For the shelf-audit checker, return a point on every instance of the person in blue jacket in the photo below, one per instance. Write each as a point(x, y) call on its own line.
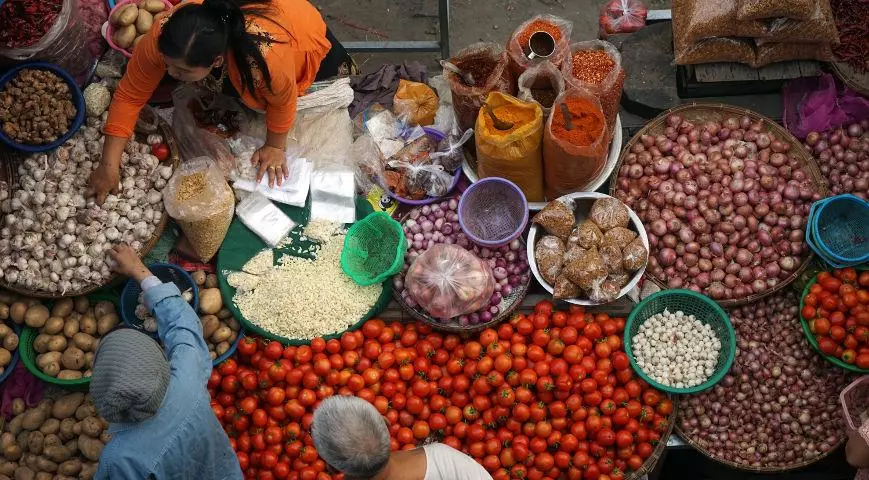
point(154, 397)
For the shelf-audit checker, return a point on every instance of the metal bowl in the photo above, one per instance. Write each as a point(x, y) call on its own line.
point(582, 202)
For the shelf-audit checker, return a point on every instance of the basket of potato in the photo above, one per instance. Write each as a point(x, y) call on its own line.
point(221, 330)
point(59, 343)
point(56, 438)
point(130, 20)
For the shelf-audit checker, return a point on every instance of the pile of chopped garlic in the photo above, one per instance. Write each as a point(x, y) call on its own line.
point(304, 299)
point(320, 231)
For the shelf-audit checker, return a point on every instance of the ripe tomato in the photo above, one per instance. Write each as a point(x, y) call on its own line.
point(820, 326)
point(827, 345)
point(273, 350)
point(837, 333)
point(849, 356)
point(624, 438)
point(160, 150)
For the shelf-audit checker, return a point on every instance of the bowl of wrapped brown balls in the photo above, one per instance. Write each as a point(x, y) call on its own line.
point(41, 107)
point(587, 248)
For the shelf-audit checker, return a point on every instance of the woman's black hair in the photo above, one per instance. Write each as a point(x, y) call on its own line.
point(199, 33)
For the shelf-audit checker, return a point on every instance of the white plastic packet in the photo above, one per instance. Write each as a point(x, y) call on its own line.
point(294, 190)
point(333, 195)
point(260, 215)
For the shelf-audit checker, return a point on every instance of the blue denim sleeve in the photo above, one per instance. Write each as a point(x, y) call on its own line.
point(181, 333)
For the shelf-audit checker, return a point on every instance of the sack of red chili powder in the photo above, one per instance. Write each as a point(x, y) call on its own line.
point(574, 143)
point(621, 16)
point(519, 45)
point(596, 66)
point(542, 84)
point(487, 65)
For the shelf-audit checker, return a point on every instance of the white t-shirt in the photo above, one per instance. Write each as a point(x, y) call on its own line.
point(446, 463)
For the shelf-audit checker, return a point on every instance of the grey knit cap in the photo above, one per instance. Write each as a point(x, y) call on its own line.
point(130, 376)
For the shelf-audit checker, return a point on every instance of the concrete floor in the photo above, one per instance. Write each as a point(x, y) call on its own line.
point(471, 21)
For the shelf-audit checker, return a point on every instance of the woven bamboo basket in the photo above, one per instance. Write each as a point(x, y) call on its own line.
point(857, 81)
point(7, 171)
point(803, 463)
point(652, 461)
point(704, 112)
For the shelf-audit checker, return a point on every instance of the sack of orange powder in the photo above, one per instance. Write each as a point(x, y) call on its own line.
point(574, 143)
point(513, 153)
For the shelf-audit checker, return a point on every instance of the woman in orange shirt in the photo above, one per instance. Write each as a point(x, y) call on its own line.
point(264, 52)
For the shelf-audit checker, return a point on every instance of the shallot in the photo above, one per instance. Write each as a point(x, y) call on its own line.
point(843, 157)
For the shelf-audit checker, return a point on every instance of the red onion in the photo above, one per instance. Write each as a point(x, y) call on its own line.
point(842, 157)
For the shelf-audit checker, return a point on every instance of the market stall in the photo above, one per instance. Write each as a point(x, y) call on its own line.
point(495, 257)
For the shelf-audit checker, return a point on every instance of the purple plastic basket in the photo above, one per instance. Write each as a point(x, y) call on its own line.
point(493, 212)
point(437, 135)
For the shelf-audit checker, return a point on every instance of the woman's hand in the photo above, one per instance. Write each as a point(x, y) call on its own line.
point(272, 160)
point(128, 262)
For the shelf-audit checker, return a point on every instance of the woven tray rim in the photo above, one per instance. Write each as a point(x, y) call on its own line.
point(797, 149)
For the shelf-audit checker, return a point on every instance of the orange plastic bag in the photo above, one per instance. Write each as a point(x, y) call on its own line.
point(573, 158)
point(487, 64)
point(417, 101)
point(514, 154)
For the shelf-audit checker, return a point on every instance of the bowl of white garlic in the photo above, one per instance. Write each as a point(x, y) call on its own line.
point(680, 341)
point(133, 310)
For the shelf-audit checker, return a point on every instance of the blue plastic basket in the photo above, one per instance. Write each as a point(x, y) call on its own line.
point(166, 272)
point(838, 230)
point(77, 100)
point(232, 347)
point(14, 362)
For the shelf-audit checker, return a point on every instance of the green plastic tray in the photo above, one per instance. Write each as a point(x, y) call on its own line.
point(811, 336)
point(28, 354)
point(691, 303)
point(241, 244)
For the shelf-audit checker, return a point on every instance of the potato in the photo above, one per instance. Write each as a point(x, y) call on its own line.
point(17, 311)
point(210, 301)
point(70, 327)
point(10, 342)
point(12, 452)
point(4, 311)
point(123, 37)
point(103, 308)
point(43, 464)
point(52, 440)
point(199, 277)
point(144, 20)
point(92, 427)
point(47, 358)
point(211, 281)
point(51, 426)
point(57, 343)
point(14, 425)
point(34, 442)
point(86, 410)
point(88, 470)
point(53, 326)
point(5, 357)
point(152, 6)
point(4, 330)
point(221, 348)
point(36, 316)
point(18, 406)
point(81, 304)
point(233, 324)
point(57, 453)
point(7, 468)
point(69, 467)
point(34, 417)
point(40, 343)
point(65, 406)
point(88, 325)
point(222, 334)
point(73, 358)
point(62, 308)
point(124, 16)
point(107, 322)
point(210, 324)
point(6, 439)
point(45, 476)
point(223, 314)
point(24, 473)
point(69, 375)
point(66, 429)
point(89, 360)
point(90, 447)
point(85, 342)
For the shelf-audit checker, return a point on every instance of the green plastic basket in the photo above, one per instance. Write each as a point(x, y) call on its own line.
point(811, 336)
point(690, 303)
point(28, 354)
point(374, 249)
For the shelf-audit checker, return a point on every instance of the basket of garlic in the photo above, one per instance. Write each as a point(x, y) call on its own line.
point(53, 239)
point(133, 310)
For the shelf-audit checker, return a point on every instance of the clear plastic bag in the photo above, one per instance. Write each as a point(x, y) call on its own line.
point(783, 52)
point(333, 194)
point(425, 177)
point(452, 156)
point(573, 158)
point(195, 141)
point(819, 28)
point(65, 44)
point(541, 83)
point(415, 101)
point(323, 131)
point(445, 119)
point(199, 199)
point(622, 16)
point(609, 90)
point(448, 281)
point(518, 46)
point(761, 9)
point(487, 63)
point(260, 215)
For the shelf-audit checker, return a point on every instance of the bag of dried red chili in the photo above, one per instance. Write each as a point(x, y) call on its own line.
point(50, 31)
point(574, 143)
point(542, 84)
point(596, 66)
point(519, 46)
point(486, 64)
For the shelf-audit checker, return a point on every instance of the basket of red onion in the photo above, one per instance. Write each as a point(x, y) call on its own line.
point(724, 194)
point(451, 283)
point(843, 157)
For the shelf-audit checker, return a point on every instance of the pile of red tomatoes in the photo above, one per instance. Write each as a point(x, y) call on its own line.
point(837, 311)
point(546, 395)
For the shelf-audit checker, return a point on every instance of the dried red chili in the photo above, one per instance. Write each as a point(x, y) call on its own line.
point(853, 29)
point(538, 26)
point(25, 22)
point(592, 66)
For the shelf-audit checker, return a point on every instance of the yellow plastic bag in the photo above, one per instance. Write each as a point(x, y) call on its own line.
point(514, 154)
point(417, 101)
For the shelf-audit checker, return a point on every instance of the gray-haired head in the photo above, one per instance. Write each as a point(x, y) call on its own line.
point(351, 436)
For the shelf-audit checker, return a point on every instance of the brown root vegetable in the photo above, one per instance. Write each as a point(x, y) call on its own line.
point(88, 325)
point(69, 375)
point(211, 281)
point(57, 343)
point(85, 342)
point(222, 348)
point(34, 417)
point(62, 308)
point(81, 304)
point(199, 277)
point(210, 301)
point(24, 473)
point(210, 324)
point(92, 427)
point(4, 311)
point(86, 410)
point(5, 357)
point(7, 468)
point(17, 311)
point(65, 406)
point(50, 426)
point(18, 406)
point(70, 467)
point(73, 358)
point(34, 442)
point(12, 452)
point(36, 316)
point(223, 314)
point(91, 448)
point(66, 429)
point(10, 342)
point(103, 308)
point(14, 425)
point(106, 323)
point(70, 327)
point(53, 326)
